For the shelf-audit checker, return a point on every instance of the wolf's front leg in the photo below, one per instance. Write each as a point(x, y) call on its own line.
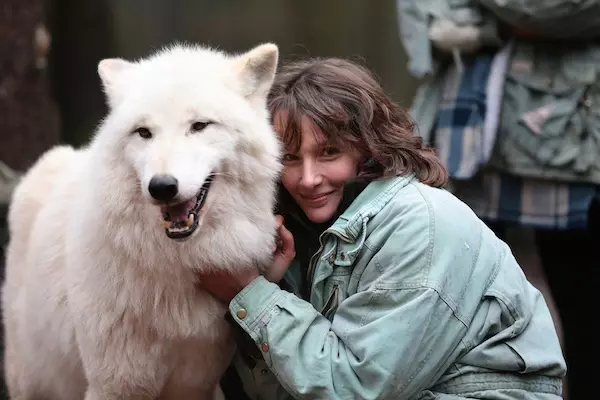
point(99, 394)
point(116, 382)
point(123, 385)
point(121, 364)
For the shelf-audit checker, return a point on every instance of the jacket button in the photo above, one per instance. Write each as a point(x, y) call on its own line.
point(264, 347)
point(241, 313)
point(343, 256)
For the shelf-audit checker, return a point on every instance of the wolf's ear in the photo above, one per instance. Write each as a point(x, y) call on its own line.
point(109, 69)
point(256, 69)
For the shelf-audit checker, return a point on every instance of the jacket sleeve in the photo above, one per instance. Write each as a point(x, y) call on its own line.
point(387, 341)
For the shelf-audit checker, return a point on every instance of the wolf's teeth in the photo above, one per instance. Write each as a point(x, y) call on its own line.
point(190, 220)
point(167, 224)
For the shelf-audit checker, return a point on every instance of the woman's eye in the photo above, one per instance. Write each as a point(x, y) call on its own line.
point(198, 126)
point(330, 151)
point(143, 132)
point(289, 157)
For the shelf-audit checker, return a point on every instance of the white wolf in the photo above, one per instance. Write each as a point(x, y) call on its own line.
point(107, 243)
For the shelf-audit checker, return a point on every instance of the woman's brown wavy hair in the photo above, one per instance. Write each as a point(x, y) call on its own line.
point(350, 107)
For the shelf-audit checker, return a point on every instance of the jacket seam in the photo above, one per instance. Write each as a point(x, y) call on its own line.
point(431, 232)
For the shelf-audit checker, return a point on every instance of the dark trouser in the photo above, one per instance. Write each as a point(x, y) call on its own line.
point(571, 261)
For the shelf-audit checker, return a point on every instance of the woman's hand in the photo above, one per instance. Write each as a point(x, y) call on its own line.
point(283, 253)
point(226, 285)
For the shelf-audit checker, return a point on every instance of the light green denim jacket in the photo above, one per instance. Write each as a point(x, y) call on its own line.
point(412, 297)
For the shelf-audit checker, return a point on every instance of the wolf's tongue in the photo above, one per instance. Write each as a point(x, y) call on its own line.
point(179, 212)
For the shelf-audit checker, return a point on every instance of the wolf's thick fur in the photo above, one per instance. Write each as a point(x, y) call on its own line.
point(98, 302)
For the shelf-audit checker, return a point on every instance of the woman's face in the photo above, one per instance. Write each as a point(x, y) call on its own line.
point(315, 174)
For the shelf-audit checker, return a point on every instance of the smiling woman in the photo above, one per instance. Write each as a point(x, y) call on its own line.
point(383, 284)
point(316, 172)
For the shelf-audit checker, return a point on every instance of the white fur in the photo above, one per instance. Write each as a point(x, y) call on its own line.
point(98, 302)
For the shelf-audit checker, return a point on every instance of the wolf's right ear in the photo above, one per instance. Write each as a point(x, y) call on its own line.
point(109, 69)
point(256, 69)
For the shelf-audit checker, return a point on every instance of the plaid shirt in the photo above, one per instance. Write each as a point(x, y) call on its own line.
point(495, 195)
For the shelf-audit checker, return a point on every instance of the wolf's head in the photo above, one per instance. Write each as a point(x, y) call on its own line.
point(190, 126)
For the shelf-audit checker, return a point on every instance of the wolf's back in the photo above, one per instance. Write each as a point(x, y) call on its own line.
point(34, 189)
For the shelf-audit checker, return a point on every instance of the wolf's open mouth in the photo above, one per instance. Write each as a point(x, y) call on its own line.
point(181, 219)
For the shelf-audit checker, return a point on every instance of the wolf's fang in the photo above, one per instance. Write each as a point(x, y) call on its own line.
point(190, 220)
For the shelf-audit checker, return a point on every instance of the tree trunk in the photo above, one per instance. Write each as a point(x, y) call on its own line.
point(28, 115)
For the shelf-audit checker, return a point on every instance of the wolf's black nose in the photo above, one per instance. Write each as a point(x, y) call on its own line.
point(163, 187)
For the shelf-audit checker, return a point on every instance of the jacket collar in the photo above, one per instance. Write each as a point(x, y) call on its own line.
point(368, 203)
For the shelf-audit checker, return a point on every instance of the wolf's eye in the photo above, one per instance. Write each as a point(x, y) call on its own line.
point(199, 126)
point(143, 132)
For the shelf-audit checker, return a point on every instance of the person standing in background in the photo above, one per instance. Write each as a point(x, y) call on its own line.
point(509, 106)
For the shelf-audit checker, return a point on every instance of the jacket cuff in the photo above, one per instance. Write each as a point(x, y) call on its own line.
point(253, 307)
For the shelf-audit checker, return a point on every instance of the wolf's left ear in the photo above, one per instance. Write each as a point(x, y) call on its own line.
point(109, 69)
point(256, 69)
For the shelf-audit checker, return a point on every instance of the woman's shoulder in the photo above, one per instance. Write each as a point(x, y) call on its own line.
point(434, 210)
point(436, 232)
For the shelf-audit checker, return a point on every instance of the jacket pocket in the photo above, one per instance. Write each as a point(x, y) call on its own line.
point(546, 115)
point(546, 126)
